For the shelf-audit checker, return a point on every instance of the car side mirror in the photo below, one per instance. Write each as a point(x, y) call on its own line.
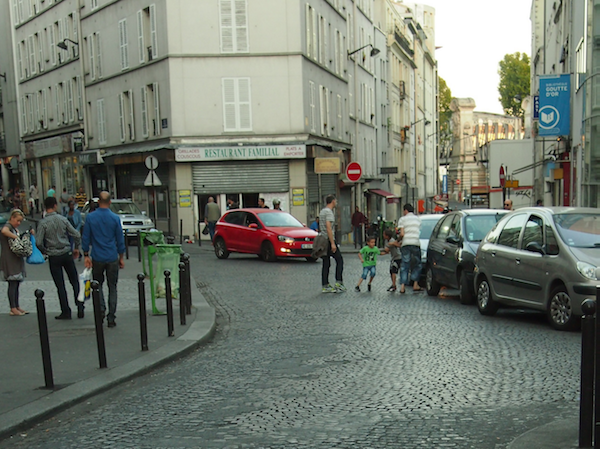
point(535, 247)
point(253, 226)
point(453, 239)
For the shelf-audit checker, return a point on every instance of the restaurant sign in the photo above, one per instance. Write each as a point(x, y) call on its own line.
point(239, 153)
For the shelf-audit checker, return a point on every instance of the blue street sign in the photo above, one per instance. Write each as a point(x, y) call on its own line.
point(536, 107)
point(445, 184)
point(555, 105)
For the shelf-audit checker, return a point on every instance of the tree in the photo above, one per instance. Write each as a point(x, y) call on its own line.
point(445, 97)
point(514, 82)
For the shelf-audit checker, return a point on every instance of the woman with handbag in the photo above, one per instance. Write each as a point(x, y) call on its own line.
point(12, 265)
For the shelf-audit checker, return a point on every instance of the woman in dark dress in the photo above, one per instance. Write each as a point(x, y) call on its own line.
point(11, 265)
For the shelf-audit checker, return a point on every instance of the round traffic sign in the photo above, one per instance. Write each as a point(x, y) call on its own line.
point(502, 177)
point(151, 162)
point(353, 171)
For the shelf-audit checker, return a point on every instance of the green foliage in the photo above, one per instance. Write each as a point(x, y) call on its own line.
point(445, 117)
point(514, 82)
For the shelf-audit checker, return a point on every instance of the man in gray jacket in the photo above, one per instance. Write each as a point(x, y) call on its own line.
point(212, 213)
point(52, 239)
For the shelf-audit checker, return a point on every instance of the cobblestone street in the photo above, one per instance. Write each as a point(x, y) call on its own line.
point(292, 367)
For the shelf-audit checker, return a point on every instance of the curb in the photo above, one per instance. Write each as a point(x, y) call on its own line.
point(201, 329)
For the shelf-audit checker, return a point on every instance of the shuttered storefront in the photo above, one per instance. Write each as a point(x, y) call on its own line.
point(237, 177)
point(328, 186)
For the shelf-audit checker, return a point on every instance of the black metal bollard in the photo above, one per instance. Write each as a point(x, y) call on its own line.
point(181, 232)
point(597, 378)
point(44, 339)
point(199, 234)
point(126, 244)
point(143, 320)
point(586, 402)
point(183, 294)
point(98, 318)
point(188, 283)
point(170, 325)
point(139, 245)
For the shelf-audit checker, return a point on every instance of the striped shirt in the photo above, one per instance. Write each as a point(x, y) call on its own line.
point(412, 229)
point(52, 235)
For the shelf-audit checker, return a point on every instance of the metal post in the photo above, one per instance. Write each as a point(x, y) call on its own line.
point(188, 280)
point(597, 380)
point(44, 339)
point(199, 234)
point(126, 244)
point(586, 402)
point(170, 326)
point(139, 244)
point(183, 294)
point(181, 232)
point(143, 320)
point(98, 318)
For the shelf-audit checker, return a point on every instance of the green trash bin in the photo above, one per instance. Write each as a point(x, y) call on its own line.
point(168, 257)
point(147, 240)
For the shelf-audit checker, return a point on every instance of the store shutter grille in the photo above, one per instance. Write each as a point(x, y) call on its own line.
point(139, 172)
point(238, 177)
point(328, 186)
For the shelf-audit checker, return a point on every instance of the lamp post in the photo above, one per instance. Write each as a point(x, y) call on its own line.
point(374, 51)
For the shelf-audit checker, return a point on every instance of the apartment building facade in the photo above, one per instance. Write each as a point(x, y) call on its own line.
point(234, 98)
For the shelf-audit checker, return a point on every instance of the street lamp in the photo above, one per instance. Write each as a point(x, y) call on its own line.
point(427, 122)
point(374, 51)
point(63, 44)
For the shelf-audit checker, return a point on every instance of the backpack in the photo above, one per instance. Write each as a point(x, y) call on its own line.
point(21, 246)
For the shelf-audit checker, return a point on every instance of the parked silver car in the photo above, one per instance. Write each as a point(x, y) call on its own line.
point(543, 258)
point(132, 219)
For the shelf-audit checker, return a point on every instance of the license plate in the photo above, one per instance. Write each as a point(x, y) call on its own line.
point(307, 246)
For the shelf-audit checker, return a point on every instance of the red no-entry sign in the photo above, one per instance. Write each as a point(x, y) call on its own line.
point(502, 177)
point(353, 171)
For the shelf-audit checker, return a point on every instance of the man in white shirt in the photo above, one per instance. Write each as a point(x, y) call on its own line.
point(410, 230)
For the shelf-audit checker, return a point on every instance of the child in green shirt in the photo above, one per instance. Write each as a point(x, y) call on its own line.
point(368, 257)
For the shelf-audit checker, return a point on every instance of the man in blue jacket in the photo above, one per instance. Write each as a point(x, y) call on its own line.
point(104, 232)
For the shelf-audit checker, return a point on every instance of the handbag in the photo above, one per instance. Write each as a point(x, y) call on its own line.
point(85, 280)
point(21, 246)
point(205, 230)
point(36, 257)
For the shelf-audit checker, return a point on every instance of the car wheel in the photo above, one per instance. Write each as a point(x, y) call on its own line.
point(311, 259)
point(485, 302)
point(560, 310)
point(221, 249)
point(431, 285)
point(267, 252)
point(466, 293)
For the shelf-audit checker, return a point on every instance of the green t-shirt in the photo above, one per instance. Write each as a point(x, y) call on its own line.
point(369, 256)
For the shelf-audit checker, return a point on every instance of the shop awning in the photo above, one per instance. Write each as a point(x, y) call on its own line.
point(389, 196)
point(383, 193)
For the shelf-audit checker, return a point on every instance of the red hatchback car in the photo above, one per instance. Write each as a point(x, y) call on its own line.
point(266, 232)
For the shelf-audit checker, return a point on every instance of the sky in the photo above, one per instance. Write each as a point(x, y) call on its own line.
point(474, 36)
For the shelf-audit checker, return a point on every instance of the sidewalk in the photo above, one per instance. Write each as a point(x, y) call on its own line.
point(73, 347)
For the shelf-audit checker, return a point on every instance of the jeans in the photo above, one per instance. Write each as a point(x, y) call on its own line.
point(211, 229)
point(57, 263)
point(112, 277)
point(357, 236)
point(372, 271)
point(13, 294)
point(411, 261)
point(339, 265)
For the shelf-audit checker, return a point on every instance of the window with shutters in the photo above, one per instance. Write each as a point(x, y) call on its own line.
point(351, 95)
point(52, 45)
point(58, 103)
point(98, 51)
point(233, 16)
point(237, 110)
point(91, 57)
point(126, 116)
point(140, 30)
point(324, 100)
point(123, 44)
point(20, 61)
point(336, 51)
point(323, 40)
point(42, 118)
point(39, 45)
point(101, 121)
point(147, 34)
point(312, 33)
point(31, 55)
point(79, 104)
point(153, 106)
point(94, 4)
point(75, 48)
point(312, 91)
point(338, 126)
point(17, 16)
point(31, 113)
point(70, 103)
point(23, 115)
point(144, 110)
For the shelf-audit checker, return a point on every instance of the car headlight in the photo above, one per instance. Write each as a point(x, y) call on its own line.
point(148, 222)
point(587, 270)
point(286, 239)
